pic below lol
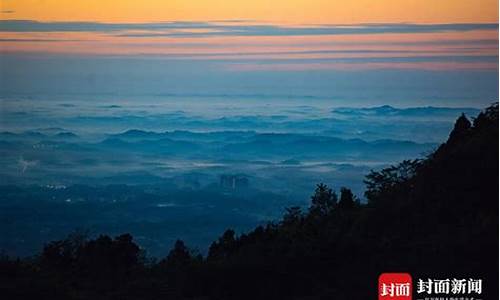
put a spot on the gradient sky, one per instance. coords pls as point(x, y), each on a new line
point(378, 51)
point(282, 11)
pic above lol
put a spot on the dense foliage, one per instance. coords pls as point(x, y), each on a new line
point(435, 217)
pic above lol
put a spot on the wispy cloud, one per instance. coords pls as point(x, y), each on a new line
point(271, 30)
point(244, 45)
point(365, 66)
point(230, 28)
point(36, 40)
point(35, 26)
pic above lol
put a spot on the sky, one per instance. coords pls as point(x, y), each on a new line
point(281, 11)
point(364, 52)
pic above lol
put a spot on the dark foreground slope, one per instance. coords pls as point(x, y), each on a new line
point(433, 218)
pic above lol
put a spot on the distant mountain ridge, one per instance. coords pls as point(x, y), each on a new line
point(250, 143)
point(425, 111)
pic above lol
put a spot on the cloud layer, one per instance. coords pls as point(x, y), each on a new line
point(232, 28)
point(448, 63)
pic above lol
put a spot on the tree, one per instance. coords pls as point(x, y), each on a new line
point(63, 253)
point(179, 256)
point(223, 247)
point(347, 199)
point(382, 183)
point(292, 216)
point(487, 119)
point(127, 252)
point(323, 201)
point(461, 128)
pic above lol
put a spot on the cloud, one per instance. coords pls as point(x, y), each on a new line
point(363, 66)
point(36, 40)
point(35, 26)
point(8, 11)
point(272, 30)
point(230, 28)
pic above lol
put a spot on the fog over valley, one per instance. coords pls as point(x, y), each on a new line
point(164, 169)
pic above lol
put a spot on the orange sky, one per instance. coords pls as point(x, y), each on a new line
point(278, 11)
point(446, 49)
